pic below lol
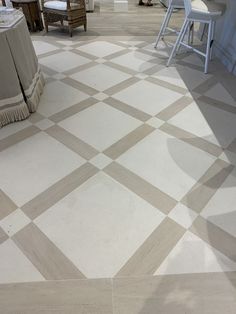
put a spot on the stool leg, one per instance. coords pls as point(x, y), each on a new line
point(203, 32)
point(164, 25)
point(178, 41)
point(183, 34)
point(208, 47)
point(212, 39)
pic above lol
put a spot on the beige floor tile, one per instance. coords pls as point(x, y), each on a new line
point(176, 294)
point(61, 297)
point(153, 251)
point(57, 191)
point(141, 187)
point(44, 255)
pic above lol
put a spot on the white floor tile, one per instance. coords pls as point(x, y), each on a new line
point(58, 96)
point(100, 161)
point(15, 266)
point(220, 93)
point(167, 163)
point(182, 76)
point(193, 255)
point(147, 97)
point(99, 225)
point(13, 128)
point(134, 60)
point(100, 49)
point(155, 122)
point(100, 77)
point(34, 165)
point(100, 125)
point(220, 210)
point(44, 124)
point(42, 47)
point(212, 124)
point(14, 222)
point(63, 61)
point(183, 215)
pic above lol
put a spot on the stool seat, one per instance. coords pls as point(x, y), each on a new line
point(203, 10)
point(178, 4)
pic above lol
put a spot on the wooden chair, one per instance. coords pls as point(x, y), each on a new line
point(72, 11)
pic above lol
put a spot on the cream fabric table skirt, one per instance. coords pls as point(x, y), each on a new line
point(21, 81)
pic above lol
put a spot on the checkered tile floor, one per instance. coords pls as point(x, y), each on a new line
point(127, 169)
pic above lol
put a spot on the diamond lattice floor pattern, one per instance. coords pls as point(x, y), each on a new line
point(119, 194)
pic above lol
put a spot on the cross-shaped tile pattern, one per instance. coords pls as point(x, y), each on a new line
point(127, 170)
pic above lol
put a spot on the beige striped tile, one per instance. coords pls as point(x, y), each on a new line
point(72, 142)
point(206, 187)
point(141, 187)
point(203, 87)
point(173, 109)
point(215, 236)
point(80, 86)
point(18, 137)
point(3, 237)
point(66, 113)
point(44, 255)
point(120, 68)
point(170, 86)
point(80, 68)
point(138, 114)
point(117, 54)
point(209, 293)
point(153, 251)
point(56, 192)
point(6, 205)
point(84, 54)
point(128, 141)
point(35, 117)
point(117, 88)
point(191, 139)
point(57, 297)
point(50, 53)
point(232, 146)
point(218, 104)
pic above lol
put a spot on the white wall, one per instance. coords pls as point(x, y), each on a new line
point(225, 36)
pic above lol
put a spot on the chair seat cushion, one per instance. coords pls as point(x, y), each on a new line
point(56, 5)
point(59, 5)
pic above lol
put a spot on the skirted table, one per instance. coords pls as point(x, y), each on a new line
point(21, 81)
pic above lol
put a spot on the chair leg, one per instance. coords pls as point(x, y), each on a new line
point(45, 22)
point(208, 47)
point(85, 27)
point(70, 31)
point(164, 25)
point(178, 41)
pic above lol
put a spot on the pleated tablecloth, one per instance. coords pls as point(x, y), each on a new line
point(21, 81)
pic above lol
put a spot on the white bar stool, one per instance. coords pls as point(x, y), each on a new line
point(173, 4)
point(202, 11)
